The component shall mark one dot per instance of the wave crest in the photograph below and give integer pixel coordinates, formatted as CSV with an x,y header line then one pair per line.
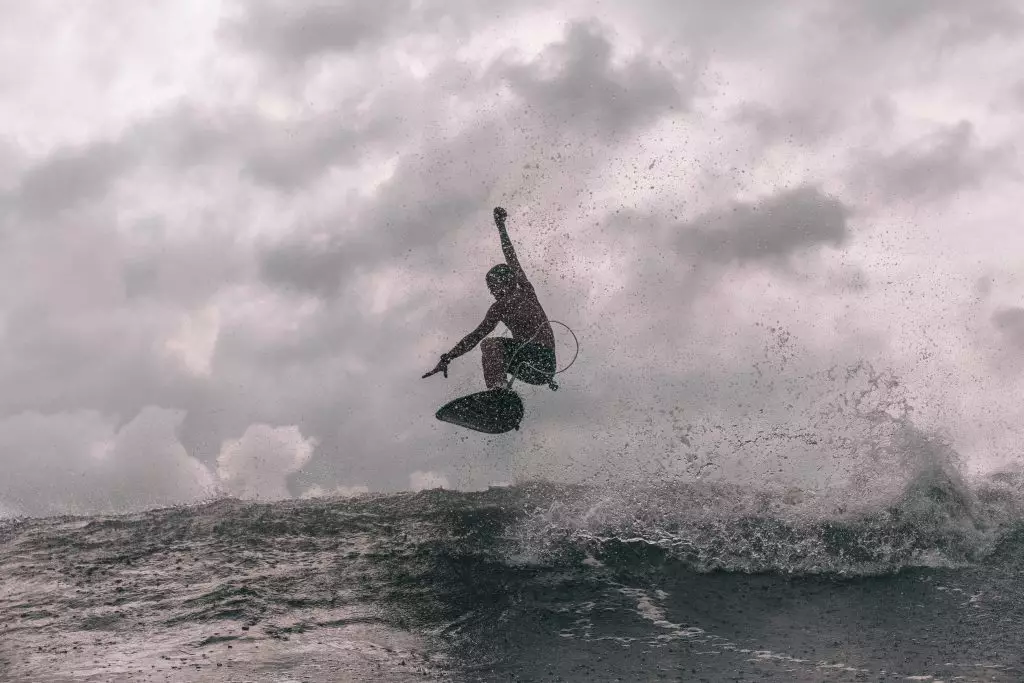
x,y
936,520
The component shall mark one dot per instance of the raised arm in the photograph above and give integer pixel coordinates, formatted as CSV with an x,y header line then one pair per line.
x,y
506,244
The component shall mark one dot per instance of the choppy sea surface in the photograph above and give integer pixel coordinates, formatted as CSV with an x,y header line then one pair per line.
x,y
533,582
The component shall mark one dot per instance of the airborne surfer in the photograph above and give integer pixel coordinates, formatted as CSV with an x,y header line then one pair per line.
x,y
530,354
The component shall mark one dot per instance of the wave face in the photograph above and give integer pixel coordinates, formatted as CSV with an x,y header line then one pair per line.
x,y
537,578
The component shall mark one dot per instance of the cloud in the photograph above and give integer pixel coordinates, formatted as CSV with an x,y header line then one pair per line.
x,y
71,176
153,468
576,84
73,339
771,229
1010,323
288,157
310,266
957,21
934,167
283,152
258,464
78,462
196,340
573,94
280,227
289,34
294,32
423,481
801,122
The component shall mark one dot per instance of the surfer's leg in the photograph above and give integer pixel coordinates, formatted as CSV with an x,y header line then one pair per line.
x,y
534,364
493,350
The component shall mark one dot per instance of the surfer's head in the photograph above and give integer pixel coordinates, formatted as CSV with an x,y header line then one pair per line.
x,y
500,280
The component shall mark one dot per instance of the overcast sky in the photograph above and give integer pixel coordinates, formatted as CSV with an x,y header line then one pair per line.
x,y
234,235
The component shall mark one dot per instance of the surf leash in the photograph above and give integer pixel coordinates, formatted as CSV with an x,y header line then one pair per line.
x,y
551,384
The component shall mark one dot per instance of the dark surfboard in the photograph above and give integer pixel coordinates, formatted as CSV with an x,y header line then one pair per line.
x,y
494,411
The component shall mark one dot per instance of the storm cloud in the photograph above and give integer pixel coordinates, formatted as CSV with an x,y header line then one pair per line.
x,y
772,229
235,235
297,32
935,167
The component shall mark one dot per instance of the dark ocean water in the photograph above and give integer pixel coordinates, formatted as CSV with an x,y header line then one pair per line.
x,y
536,582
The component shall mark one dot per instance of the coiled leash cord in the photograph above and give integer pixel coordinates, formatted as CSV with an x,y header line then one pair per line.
x,y
551,384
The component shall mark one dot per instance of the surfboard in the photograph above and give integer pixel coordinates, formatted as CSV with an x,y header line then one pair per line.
x,y
494,411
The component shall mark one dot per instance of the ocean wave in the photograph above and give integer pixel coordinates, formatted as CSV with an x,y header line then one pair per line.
x,y
937,520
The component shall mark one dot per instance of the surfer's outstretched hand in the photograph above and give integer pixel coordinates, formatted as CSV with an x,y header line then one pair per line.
x,y
442,366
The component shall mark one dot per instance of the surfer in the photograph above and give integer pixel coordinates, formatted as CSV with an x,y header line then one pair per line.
x,y
530,354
